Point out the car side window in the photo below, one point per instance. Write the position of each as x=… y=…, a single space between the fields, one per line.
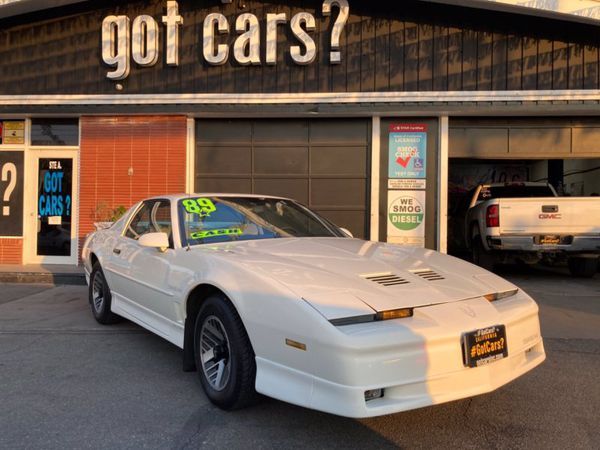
x=153 y=217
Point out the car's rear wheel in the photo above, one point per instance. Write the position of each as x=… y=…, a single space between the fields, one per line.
x=480 y=255
x=100 y=297
x=224 y=355
x=581 y=266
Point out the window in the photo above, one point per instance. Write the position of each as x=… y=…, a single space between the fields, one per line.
x=55 y=132
x=153 y=217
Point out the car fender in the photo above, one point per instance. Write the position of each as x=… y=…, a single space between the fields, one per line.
x=270 y=312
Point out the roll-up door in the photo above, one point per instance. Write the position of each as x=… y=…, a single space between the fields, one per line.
x=323 y=163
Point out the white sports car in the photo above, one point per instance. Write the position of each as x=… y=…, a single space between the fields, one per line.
x=265 y=296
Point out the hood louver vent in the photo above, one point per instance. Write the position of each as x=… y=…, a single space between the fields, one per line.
x=386 y=279
x=428 y=274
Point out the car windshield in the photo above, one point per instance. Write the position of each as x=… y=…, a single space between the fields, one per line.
x=208 y=220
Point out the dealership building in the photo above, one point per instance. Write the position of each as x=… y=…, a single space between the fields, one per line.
x=379 y=115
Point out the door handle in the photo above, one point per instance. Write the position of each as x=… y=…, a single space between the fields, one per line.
x=117 y=251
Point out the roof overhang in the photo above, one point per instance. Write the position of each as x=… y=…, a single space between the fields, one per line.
x=585 y=11
x=10 y=8
x=582 y=11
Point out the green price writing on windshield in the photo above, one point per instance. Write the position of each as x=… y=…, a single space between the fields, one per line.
x=216 y=233
x=201 y=206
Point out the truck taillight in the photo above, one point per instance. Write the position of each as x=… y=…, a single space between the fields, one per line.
x=492 y=216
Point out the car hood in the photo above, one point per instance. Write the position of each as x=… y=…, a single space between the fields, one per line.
x=346 y=277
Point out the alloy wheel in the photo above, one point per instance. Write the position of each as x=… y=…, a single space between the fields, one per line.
x=98 y=292
x=215 y=353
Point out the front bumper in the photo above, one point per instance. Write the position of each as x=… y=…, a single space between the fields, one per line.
x=417 y=361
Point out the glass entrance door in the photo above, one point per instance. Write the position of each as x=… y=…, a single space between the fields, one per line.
x=54 y=217
x=55 y=197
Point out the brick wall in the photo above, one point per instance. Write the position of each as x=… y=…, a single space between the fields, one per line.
x=126 y=159
x=11 y=251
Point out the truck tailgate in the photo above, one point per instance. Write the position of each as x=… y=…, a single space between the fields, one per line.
x=550 y=215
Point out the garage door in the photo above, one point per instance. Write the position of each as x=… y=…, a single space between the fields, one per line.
x=524 y=138
x=324 y=164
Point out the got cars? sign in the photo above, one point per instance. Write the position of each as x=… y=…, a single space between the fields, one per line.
x=123 y=40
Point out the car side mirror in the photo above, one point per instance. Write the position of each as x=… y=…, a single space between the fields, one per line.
x=346 y=232
x=159 y=241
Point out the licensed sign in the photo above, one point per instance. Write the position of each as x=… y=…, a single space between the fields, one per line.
x=406 y=218
x=408 y=151
x=11 y=193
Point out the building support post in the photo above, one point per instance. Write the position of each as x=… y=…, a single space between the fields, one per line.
x=442 y=194
x=375 y=176
x=190 y=156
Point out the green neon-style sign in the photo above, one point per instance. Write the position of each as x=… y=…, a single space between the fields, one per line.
x=204 y=207
x=216 y=233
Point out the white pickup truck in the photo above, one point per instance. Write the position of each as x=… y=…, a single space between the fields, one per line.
x=528 y=222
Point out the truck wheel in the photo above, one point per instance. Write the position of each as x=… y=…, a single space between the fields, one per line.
x=480 y=255
x=580 y=266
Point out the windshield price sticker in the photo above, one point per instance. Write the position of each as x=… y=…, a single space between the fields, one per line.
x=216 y=233
x=204 y=207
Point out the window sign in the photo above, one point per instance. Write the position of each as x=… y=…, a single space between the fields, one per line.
x=12 y=132
x=54 y=206
x=408 y=151
x=406 y=218
x=11 y=193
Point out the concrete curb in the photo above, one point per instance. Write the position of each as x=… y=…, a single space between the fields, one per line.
x=43 y=278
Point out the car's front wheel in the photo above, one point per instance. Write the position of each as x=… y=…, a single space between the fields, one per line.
x=224 y=355
x=100 y=297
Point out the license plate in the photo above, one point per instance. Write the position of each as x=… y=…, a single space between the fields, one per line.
x=484 y=346
x=550 y=240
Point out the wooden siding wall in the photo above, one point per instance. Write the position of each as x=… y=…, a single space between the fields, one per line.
x=386 y=46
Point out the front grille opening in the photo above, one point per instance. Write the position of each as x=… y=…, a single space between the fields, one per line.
x=387 y=279
x=428 y=274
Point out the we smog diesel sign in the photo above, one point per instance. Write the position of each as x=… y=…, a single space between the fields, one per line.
x=135 y=40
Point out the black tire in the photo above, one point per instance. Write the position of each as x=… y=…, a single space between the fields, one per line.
x=583 y=267
x=480 y=256
x=100 y=298
x=234 y=353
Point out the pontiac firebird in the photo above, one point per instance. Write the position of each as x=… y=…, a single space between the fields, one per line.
x=267 y=297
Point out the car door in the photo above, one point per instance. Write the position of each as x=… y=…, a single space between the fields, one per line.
x=144 y=272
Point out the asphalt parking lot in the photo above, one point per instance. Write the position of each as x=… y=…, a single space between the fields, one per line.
x=67 y=382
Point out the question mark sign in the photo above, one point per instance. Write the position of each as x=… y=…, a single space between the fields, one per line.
x=8 y=168
x=335 y=57
x=68 y=200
